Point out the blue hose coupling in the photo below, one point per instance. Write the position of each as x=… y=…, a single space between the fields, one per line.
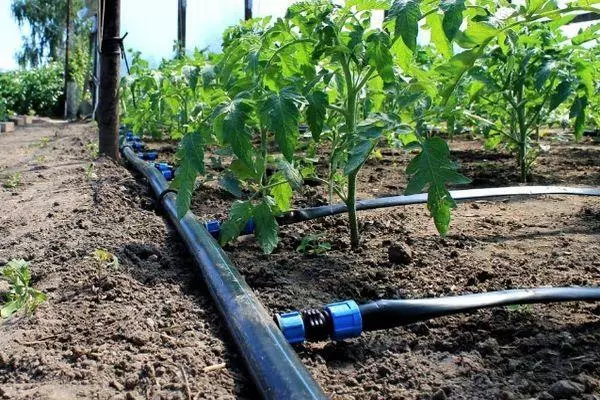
x=213 y=227
x=148 y=155
x=137 y=145
x=336 y=321
x=292 y=326
x=167 y=170
x=346 y=319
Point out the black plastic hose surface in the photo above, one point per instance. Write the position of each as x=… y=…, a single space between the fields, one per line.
x=274 y=366
x=469 y=194
x=385 y=314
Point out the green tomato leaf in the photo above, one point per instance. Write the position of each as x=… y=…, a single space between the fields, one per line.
x=585 y=73
x=191 y=154
x=291 y=174
x=433 y=169
x=282 y=192
x=578 y=112
x=358 y=155
x=239 y=215
x=406 y=14
x=456 y=67
x=266 y=227
x=362 y=5
x=11 y=307
x=562 y=92
x=279 y=113
x=379 y=56
x=231 y=184
x=230 y=121
x=316 y=112
x=453 y=16
x=544 y=73
x=438 y=37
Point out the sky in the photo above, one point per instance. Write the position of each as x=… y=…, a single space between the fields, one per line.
x=153 y=29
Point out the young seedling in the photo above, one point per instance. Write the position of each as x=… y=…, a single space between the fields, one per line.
x=106 y=259
x=44 y=140
x=93 y=150
x=21 y=296
x=314 y=245
x=13 y=181
x=90 y=172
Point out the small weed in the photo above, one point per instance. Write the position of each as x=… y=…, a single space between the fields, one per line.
x=13 y=181
x=21 y=296
x=520 y=308
x=93 y=149
x=106 y=258
x=44 y=140
x=40 y=159
x=313 y=245
x=90 y=172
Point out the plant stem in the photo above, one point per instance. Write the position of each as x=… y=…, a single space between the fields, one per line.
x=351 y=204
x=350 y=128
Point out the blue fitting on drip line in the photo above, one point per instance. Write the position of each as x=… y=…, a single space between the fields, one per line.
x=167 y=170
x=148 y=155
x=214 y=227
x=337 y=321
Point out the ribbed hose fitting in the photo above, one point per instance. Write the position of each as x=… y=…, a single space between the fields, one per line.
x=336 y=321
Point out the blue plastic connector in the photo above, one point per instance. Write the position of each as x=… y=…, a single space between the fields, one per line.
x=137 y=146
x=249 y=228
x=168 y=174
x=162 y=166
x=148 y=155
x=346 y=319
x=213 y=227
x=292 y=326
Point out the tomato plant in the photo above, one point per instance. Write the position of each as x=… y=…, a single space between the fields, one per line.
x=355 y=85
x=523 y=79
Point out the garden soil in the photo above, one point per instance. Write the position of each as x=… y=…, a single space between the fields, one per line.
x=533 y=352
x=144 y=329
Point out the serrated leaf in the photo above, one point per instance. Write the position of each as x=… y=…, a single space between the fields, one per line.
x=586 y=35
x=362 y=5
x=282 y=193
x=578 y=112
x=544 y=73
x=453 y=16
x=231 y=184
x=585 y=73
x=438 y=37
x=379 y=56
x=433 y=169
x=316 y=112
x=291 y=174
x=280 y=114
x=240 y=213
x=191 y=154
x=358 y=155
x=561 y=93
x=406 y=14
x=456 y=67
x=266 y=227
x=230 y=126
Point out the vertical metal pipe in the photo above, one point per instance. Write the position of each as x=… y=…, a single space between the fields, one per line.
x=67 y=67
x=181 y=26
x=247 y=9
x=110 y=66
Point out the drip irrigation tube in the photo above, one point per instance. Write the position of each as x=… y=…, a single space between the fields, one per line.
x=307 y=214
x=274 y=366
x=347 y=319
x=468 y=194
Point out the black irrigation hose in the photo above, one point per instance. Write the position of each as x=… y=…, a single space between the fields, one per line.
x=347 y=319
x=274 y=366
x=468 y=194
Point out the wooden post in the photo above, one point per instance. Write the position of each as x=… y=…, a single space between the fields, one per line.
x=247 y=9
x=181 y=27
x=110 y=66
x=67 y=67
